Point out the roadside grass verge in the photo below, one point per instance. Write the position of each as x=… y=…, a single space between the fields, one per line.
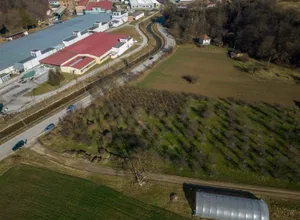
x=35 y=193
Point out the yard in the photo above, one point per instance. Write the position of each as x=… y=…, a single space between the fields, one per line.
x=28 y=192
x=218 y=76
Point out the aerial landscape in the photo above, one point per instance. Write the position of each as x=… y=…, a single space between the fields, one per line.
x=150 y=109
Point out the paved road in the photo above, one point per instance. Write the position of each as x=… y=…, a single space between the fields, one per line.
x=32 y=133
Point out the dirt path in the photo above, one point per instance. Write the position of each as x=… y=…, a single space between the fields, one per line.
x=82 y=165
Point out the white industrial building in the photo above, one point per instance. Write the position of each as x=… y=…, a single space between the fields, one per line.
x=121 y=47
x=84 y=54
x=77 y=36
x=144 y=4
x=119 y=18
x=99 y=27
x=33 y=60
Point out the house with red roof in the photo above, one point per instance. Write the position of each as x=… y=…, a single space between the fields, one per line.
x=98 y=7
x=84 y=54
x=81 y=7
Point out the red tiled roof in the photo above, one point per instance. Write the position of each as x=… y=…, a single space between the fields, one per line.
x=106 y=5
x=96 y=44
x=83 y=2
x=79 y=62
x=58 y=58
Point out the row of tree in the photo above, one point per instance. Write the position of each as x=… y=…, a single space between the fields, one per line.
x=259 y=28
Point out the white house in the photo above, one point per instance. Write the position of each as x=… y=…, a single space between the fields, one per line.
x=77 y=36
x=4 y=77
x=99 y=27
x=122 y=46
x=204 y=40
x=144 y=4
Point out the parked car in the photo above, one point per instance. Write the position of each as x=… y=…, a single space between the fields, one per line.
x=49 y=127
x=19 y=145
x=150 y=58
x=71 y=108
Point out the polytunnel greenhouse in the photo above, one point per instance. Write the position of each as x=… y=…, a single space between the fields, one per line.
x=225 y=207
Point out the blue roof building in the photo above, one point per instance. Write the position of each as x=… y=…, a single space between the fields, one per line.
x=17 y=50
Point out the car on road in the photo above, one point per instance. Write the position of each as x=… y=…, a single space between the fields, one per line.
x=71 y=108
x=150 y=58
x=19 y=145
x=49 y=127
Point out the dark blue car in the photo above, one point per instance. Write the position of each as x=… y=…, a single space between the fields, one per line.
x=71 y=108
x=19 y=144
x=49 y=127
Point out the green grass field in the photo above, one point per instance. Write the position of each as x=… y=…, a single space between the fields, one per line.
x=219 y=139
x=218 y=77
x=46 y=87
x=28 y=192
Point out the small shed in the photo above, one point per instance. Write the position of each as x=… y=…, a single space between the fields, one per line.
x=204 y=40
x=226 y=207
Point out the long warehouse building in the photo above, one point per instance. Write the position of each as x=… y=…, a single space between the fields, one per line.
x=17 y=50
x=92 y=50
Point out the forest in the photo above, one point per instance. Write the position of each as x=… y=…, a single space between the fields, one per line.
x=16 y=15
x=259 y=28
x=188 y=134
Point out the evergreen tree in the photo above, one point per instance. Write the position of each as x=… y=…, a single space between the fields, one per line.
x=55 y=77
x=3 y=29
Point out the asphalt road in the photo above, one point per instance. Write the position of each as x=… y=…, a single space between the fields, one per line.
x=32 y=133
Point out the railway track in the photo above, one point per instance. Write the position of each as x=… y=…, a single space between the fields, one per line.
x=14 y=129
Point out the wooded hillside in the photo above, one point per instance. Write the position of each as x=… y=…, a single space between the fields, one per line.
x=259 y=28
x=16 y=15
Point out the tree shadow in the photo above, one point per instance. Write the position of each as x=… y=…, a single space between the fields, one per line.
x=191 y=189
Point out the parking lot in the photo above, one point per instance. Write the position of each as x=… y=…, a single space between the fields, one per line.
x=13 y=95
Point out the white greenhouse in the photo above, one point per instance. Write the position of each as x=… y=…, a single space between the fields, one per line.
x=224 y=207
